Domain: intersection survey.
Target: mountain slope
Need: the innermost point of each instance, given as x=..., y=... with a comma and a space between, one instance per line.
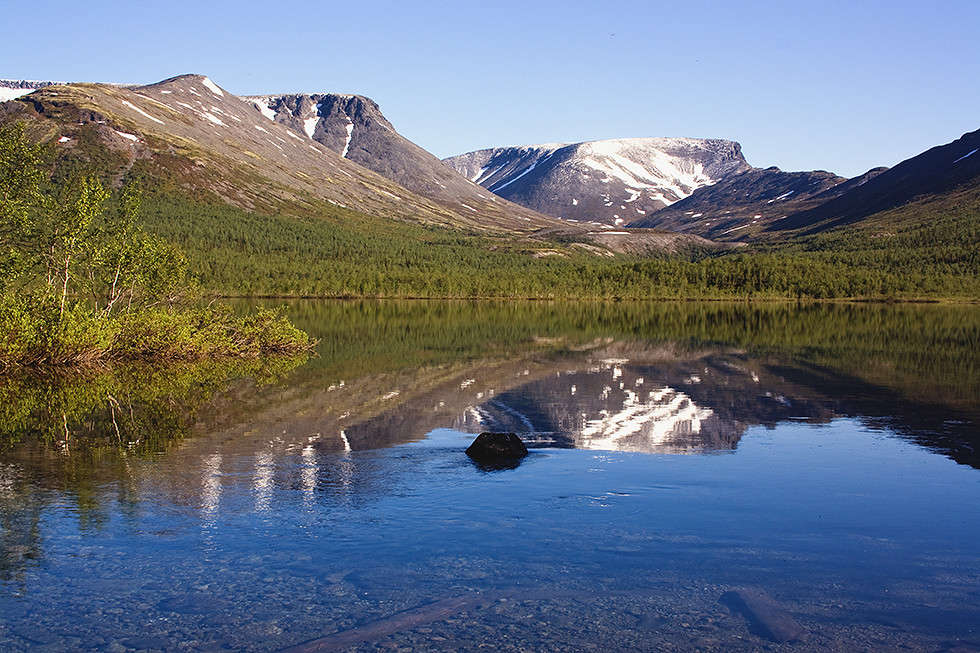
x=740, y=206
x=186, y=135
x=199, y=136
x=354, y=127
x=611, y=182
x=934, y=173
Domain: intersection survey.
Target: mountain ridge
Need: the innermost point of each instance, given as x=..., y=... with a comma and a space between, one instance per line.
x=354, y=127
x=938, y=171
x=221, y=142
x=204, y=139
x=743, y=205
x=609, y=181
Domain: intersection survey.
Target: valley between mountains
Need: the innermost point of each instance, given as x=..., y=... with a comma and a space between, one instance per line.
x=319, y=195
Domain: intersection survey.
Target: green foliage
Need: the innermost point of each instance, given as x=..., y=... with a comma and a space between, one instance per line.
x=345, y=254
x=135, y=408
x=80, y=281
x=21, y=199
x=39, y=335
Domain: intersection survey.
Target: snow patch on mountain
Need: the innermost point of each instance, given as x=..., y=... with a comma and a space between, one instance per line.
x=213, y=118
x=967, y=155
x=141, y=112
x=309, y=125
x=15, y=88
x=263, y=106
x=640, y=166
x=211, y=86
x=350, y=136
x=7, y=94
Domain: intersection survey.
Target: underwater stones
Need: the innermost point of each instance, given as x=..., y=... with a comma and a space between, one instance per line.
x=765, y=616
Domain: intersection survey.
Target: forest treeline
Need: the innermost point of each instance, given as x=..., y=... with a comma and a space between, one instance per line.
x=345, y=254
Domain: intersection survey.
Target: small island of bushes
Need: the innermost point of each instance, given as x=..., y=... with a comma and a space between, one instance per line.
x=81, y=283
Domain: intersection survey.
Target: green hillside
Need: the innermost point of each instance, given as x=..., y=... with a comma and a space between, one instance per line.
x=339, y=253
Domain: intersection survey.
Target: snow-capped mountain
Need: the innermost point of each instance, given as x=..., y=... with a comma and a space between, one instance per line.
x=14, y=88
x=610, y=181
x=263, y=159
x=354, y=127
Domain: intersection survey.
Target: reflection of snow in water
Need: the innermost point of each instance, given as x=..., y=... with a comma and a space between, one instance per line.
x=308, y=473
x=262, y=483
x=525, y=422
x=665, y=413
x=211, y=484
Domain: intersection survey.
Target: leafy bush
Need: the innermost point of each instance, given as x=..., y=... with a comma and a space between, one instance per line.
x=81, y=282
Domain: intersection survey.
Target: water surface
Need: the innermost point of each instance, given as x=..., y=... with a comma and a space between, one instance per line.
x=825, y=456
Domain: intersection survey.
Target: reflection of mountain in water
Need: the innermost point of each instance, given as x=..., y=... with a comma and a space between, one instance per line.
x=389, y=374
x=665, y=406
x=610, y=407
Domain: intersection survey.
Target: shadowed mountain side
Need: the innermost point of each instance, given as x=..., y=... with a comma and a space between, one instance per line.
x=936, y=172
x=741, y=206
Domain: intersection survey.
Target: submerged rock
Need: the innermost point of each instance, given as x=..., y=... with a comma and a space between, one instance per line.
x=765, y=616
x=496, y=448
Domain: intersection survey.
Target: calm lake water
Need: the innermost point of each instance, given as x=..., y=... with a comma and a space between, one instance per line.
x=823, y=459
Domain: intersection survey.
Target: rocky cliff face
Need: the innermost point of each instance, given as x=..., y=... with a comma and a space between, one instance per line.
x=354, y=127
x=612, y=182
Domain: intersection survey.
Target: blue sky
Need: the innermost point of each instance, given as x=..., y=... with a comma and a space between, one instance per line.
x=840, y=86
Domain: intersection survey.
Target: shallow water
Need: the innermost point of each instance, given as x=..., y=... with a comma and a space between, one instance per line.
x=823, y=456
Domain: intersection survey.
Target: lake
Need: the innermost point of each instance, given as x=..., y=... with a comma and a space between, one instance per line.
x=702, y=476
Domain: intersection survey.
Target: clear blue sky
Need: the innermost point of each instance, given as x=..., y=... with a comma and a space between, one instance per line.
x=842, y=86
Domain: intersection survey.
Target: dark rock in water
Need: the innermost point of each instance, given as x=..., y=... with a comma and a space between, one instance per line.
x=766, y=618
x=494, y=448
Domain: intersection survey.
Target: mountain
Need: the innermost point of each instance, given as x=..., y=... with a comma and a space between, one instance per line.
x=611, y=181
x=354, y=127
x=191, y=137
x=742, y=205
x=199, y=136
x=932, y=174
x=14, y=88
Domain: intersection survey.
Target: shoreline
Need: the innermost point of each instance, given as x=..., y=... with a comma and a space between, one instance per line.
x=741, y=300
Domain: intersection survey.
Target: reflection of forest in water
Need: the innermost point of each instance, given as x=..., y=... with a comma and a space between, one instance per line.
x=664, y=378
